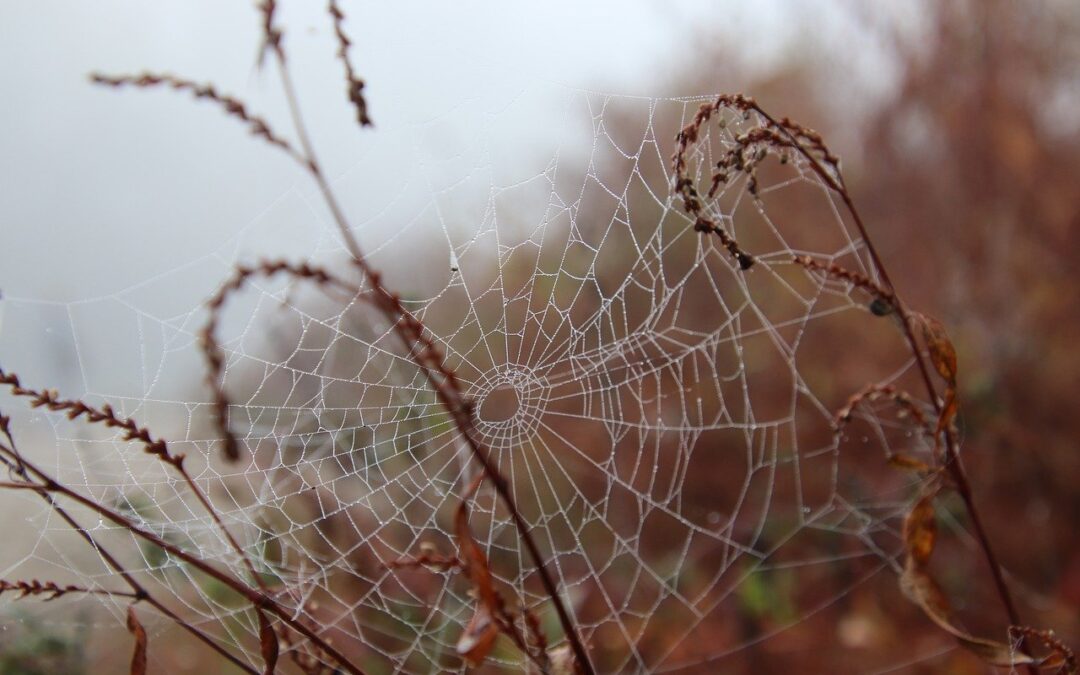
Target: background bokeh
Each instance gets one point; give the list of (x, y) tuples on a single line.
[(956, 122)]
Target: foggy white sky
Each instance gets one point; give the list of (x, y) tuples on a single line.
[(120, 212)]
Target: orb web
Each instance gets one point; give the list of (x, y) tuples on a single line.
[(663, 417)]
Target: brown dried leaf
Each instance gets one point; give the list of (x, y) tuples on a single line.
[(943, 356), (948, 410), (138, 657), (902, 461), (920, 530), (995, 653), (479, 637), (268, 643), (562, 661), (920, 533), (471, 555), (941, 349), (921, 589)]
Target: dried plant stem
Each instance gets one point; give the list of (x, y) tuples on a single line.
[(354, 85), (684, 186), (854, 278), (872, 392), (133, 432), (789, 136), (262, 601), (52, 590), (411, 331), (426, 354), (953, 464), (139, 591), (215, 356), (232, 106)]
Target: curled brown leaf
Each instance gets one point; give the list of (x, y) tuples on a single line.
[(482, 630), (920, 530), (138, 656), (943, 357), (902, 461), (472, 556), (920, 535), (268, 643), (479, 637), (940, 347)]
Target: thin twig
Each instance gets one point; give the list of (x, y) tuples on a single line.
[(52, 590), (354, 85), (232, 106), (883, 295)]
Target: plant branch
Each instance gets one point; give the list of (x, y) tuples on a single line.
[(137, 588), (133, 432), (260, 600), (953, 463), (426, 354)]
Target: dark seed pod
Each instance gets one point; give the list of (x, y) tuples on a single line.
[(880, 307)]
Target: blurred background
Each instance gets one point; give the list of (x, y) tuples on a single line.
[(957, 124)]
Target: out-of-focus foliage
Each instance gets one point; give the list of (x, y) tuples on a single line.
[(966, 170), (969, 174), (974, 175), (27, 647)]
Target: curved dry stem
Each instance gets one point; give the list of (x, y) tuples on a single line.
[(684, 184), (784, 135), (885, 300), (215, 355), (425, 353)]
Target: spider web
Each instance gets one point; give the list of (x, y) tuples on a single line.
[(664, 419)]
